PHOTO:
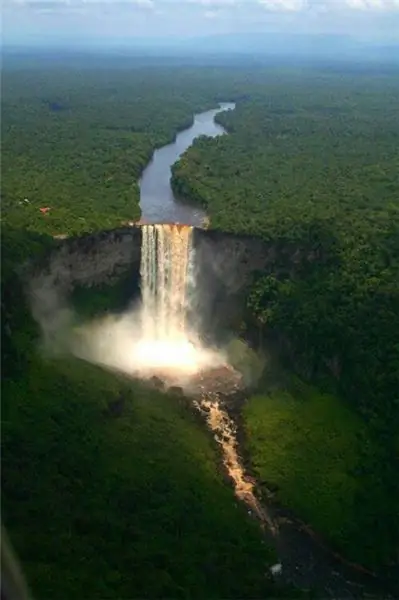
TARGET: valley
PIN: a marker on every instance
(234, 319)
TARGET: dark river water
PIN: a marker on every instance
(157, 202)
(305, 562)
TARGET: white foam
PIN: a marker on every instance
(154, 337)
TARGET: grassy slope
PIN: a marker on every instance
(102, 507)
(312, 447)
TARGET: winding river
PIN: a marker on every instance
(304, 561)
(157, 202)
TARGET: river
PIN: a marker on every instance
(157, 201)
(305, 562)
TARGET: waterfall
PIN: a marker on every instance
(160, 335)
(166, 265)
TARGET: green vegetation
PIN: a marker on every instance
(311, 164)
(119, 507)
(76, 141)
(313, 450)
(109, 489)
(105, 504)
(101, 299)
(245, 360)
(99, 505)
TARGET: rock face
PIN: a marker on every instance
(91, 260)
(232, 259)
(225, 265)
(228, 259)
(223, 260)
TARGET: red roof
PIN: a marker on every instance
(45, 209)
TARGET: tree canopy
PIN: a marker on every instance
(313, 163)
(76, 141)
(311, 160)
(318, 170)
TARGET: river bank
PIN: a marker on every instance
(158, 204)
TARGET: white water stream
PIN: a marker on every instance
(225, 433)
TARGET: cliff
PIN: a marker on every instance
(89, 260)
(225, 265)
(98, 259)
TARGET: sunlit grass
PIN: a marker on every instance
(308, 446)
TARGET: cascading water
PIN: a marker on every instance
(166, 257)
(225, 433)
(155, 337)
(168, 341)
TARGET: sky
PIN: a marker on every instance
(113, 21)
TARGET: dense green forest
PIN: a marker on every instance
(313, 164)
(109, 489)
(318, 171)
(133, 506)
(76, 141)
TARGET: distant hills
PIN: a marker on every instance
(229, 47)
(274, 44)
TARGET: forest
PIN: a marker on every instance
(310, 161)
(318, 171)
(98, 504)
(76, 141)
(313, 165)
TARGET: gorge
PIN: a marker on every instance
(179, 271)
(199, 391)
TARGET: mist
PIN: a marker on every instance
(158, 335)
